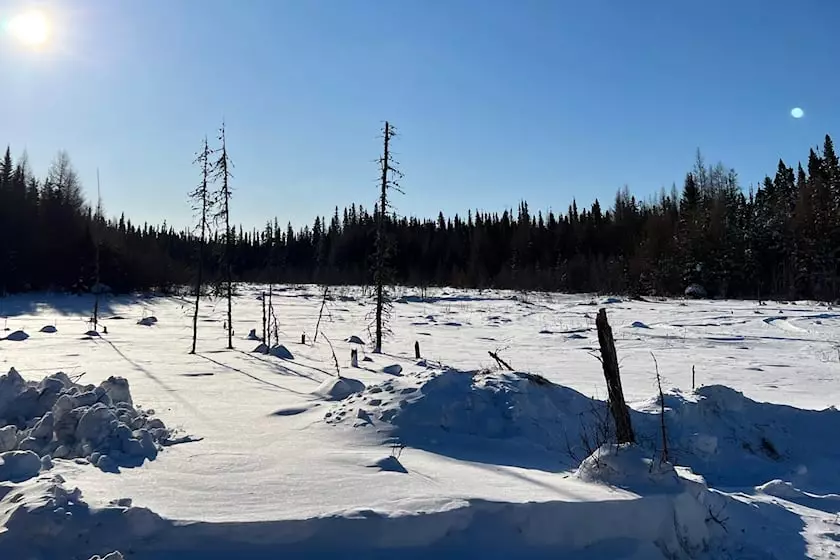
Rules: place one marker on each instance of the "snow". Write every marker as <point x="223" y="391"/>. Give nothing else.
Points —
<point x="17" y="336"/>
<point x="57" y="418"/>
<point x="282" y="352"/>
<point x="450" y="457"/>
<point x="338" y="388"/>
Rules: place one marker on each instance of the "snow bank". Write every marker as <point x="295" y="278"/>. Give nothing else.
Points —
<point x="57" y="418"/>
<point x="339" y="388"/>
<point x="430" y="407"/>
<point x="652" y="526"/>
<point x="718" y="427"/>
<point x="148" y="321"/>
<point x="688" y="529"/>
<point x="49" y="329"/>
<point x="355" y="340"/>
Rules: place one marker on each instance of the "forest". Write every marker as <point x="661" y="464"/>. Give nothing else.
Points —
<point x="779" y="239"/>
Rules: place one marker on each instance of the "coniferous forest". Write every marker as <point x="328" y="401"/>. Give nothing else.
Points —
<point x="780" y="239"/>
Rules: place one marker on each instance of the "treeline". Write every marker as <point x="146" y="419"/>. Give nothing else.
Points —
<point x="780" y="240"/>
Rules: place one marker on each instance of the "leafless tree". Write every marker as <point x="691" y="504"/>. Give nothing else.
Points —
<point x="389" y="180"/>
<point x="222" y="173"/>
<point x="203" y="205"/>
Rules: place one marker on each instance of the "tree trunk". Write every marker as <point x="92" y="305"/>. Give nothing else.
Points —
<point x="609" y="358"/>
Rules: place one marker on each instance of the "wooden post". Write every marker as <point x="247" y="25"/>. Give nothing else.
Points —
<point x="303" y="338"/>
<point x="417" y="349"/>
<point x="354" y="358"/>
<point x="609" y="359"/>
<point x="692" y="378"/>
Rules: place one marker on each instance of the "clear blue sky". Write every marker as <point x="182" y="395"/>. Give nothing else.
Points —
<point x="495" y="100"/>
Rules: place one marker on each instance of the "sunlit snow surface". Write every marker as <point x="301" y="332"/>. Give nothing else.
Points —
<point x="277" y="446"/>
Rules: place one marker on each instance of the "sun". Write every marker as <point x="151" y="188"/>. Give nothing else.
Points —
<point x="30" y="28"/>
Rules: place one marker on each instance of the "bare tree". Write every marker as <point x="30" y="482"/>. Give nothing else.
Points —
<point x="222" y="173"/>
<point x="98" y="222"/>
<point x="202" y="204"/>
<point x="324" y="298"/>
<point x="389" y="180"/>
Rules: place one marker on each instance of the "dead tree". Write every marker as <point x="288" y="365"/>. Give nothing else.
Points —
<point x="324" y="298"/>
<point x="609" y="359"/>
<point x="202" y="204"/>
<point x="222" y="173"/>
<point x="389" y="180"/>
<point x="98" y="221"/>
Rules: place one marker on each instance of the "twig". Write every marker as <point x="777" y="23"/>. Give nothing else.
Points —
<point x="500" y="361"/>
<point x="335" y="359"/>
<point x="661" y="410"/>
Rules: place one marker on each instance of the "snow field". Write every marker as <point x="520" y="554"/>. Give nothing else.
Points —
<point x="442" y="456"/>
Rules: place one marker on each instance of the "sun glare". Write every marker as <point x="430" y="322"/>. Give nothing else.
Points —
<point x="30" y="28"/>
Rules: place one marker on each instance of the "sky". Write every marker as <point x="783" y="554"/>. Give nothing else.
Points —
<point x="495" y="101"/>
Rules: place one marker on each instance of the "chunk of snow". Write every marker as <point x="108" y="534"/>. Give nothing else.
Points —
<point x="252" y="335"/>
<point x="355" y="340"/>
<point x="17" y="466"/>
<point x="261" y="348"/>
<point x="339" y="388"/>
<point x="639" y="325"/>
<point x="49" y="329"/>
<point x="281" y="351"/>
<point x="148" y="321"/>
<point x="393" y="369"/>
<point x="611" y="300"/>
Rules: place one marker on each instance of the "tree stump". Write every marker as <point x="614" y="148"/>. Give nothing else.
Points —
<point x="609" y="359"/>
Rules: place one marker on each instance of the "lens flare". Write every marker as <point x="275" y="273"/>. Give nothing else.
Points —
<point x="797" y="113"/>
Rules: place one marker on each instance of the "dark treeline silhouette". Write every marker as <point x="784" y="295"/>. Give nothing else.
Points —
<point x="779" y="240"/>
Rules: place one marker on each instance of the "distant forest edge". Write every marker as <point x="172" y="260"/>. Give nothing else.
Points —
<point x="779" y="240"/>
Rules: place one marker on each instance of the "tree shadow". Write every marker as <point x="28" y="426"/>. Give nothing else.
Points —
<point x="62" y="304"/>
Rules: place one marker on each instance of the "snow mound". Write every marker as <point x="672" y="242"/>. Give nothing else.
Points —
<point x="429" y="408"/>
<point x="611" y="300"/>
<point x="17" y="336"/>
<point x="49" y="329"/>
<point x="780" y="489"/>
<point x="281" y="351"/>
<point x="718" y="427"/>
<point x="393" y="369"/>
<point x="355" y="340"/>
<point x="261" y="348"/>
<point x="627" y="466"/>
<point x="639" y="325"/>
<point x="685" y="505"/>
<point x="92" y="334"/>
<point x="389" y="464"/>
<point x="59" y="419"/>
<point x="252" y="335"/>
<point x="339" y="388"/>
<point x="147" y="321"/>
